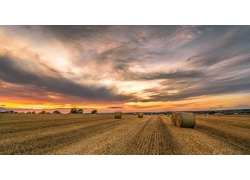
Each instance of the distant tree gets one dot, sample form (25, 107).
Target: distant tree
(73, 111)
(48, 113)
(11, 111)
(42, 112)
(57, 112)
(94, 112)
(76, 111)
(80, 111)
(33, 112)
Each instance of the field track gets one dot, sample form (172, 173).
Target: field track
(102, 134)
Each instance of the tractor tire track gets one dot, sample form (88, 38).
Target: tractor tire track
(151, 137)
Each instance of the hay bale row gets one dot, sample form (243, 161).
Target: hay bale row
(140, 115)
(185, 120)
(182, 119)
(118, 115)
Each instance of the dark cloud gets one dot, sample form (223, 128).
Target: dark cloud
(215, 82)
(221, 44)
(114, 107)
(242, 106)
(122, 71)
(192, 91)
(121, 67)
(172, 75)
(63, 33)
(66, 33)
(221, 107)
(9, 72)
(144, 107)
(54, 70)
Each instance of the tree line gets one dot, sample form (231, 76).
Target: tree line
(72, 111)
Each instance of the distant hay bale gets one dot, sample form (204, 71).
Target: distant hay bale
(185, 120)
(173, 118)
(140, 115)
(118, 115)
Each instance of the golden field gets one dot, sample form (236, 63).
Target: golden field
(86, 134)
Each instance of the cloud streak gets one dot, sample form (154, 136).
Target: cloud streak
(121, 64)
(12, 74)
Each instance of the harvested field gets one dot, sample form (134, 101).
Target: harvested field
(103, 134)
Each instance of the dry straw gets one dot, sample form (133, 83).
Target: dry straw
(173, 118)
(185, 120)
(118, 115)
(140, 115)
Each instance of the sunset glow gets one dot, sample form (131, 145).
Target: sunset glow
(130, 68)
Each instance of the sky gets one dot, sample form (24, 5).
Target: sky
(127, 68)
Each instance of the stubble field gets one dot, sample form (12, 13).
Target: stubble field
(102, 134)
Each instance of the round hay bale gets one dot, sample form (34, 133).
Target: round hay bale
(173, 118)
(118, 115)
(185, 120)
(140, 115)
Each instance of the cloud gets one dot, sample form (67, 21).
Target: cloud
(178, 62)
(221, 44)
(123, 72)
(3, 109)
(10, 73)
(74, 32)
(115, 107)
(180, 74)
(138, 106)
(243, 106)
(240, 106)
